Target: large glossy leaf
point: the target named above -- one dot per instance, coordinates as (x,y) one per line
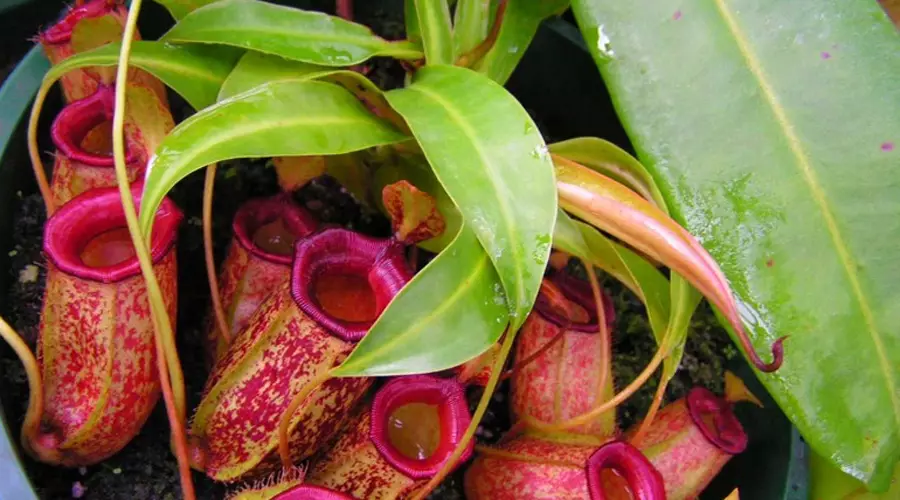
(195,73)
(453,310)
(300,35)
(291,118)
(181,8)
(492,161)
(518,27)
(773,129)
(435,30)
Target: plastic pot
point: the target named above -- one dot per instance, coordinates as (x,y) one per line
(569,99)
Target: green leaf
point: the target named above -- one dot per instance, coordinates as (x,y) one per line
(180,8)
(255,69)
(411,19)
(195,73)
(777,145)
(492,161)
(471,22)
(517,29)
(452,310)
(436,31)
(276,119)
(299,35)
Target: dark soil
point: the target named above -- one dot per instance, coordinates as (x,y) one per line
(146,469)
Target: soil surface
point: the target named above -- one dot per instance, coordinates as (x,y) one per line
(146,469)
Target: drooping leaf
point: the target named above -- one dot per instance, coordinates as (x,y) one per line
(414,213)
(276,119)
(180,8)
(435,30)
(493,163)
(255,68)
(299,35)
(195,73)
(453,310)
(471,21)
(415,170)
(782,159)
(610,160)
(616,209)
(518,27)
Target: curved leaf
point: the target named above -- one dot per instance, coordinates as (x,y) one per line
(435,30)
(300,35)
(782,159)
(275,119)
(452,310)
(195,73)
(492,161)
(608,159)
(518,27)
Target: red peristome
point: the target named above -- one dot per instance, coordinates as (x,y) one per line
(96,347)
(340,252)
(86,125)
(307,492)
(541,386)
(530,468)
(690,441)
(365,463)
(250,273)
(282,349)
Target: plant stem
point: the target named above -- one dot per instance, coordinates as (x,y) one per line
(344,9)
(167,358)
(33,372)
(468,59)
(476,418)
(36,164)
(606,341)
(215,296)
(651,413)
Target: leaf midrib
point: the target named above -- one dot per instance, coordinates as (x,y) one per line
(370,42)
(468,282)
(492,178)
(809,176)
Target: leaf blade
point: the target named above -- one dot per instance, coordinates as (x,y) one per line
(300,35)
(290,118)
(195,73)
(792,229)
(423,329)
(490,158)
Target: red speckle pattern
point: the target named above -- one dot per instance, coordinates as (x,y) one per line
(543,388)
(535,470)
(245,282)
(97,357)
(679,450)
(280,351)
(71,177)
(887,146)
